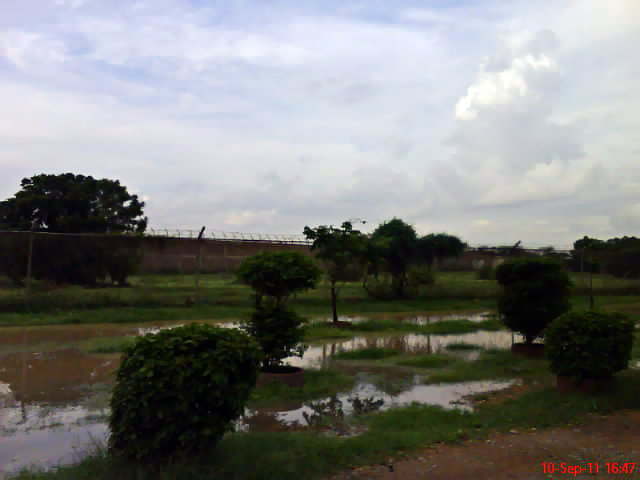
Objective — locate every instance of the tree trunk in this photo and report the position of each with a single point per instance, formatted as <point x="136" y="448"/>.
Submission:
<point x="334" y="302"/>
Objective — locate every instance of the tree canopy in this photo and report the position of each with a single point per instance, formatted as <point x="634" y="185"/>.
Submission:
<point x="341" y="250"/>
<point x="437" y="246"/>
<point x="399" y="239"/>
<point x="69" y="203"/>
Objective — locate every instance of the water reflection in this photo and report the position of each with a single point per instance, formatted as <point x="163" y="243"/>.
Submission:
<point x="364" y="398"/>
<point x="321" y="355"/>
<point x="47" y="448"/>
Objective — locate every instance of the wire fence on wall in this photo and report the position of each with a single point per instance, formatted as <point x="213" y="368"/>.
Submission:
<point x="231" y="236"/>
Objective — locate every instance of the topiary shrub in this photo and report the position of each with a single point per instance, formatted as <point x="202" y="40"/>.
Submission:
<point x="589" y="344"/>
<point x="180" y="390"/>
<point x="277" y="275"/>
<point x="279" y="331"/>
<point x="534" y="292"/>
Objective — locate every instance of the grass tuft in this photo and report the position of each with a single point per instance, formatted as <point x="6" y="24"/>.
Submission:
<point x="367" y="354"/>
<point x="461" y="346"/>
<point x="108" y="344"/>
<point x="317" y="384"/>
<point x="426" y="361"/>
<point x="491" y="364"/>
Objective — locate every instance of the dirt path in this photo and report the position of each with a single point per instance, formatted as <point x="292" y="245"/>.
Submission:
<point x="519" y="455"/>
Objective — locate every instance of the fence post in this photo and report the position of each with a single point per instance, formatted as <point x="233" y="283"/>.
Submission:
<point x="30" y="261"/>
<point x="199" y="267"/>
<point x="591" y="299"/>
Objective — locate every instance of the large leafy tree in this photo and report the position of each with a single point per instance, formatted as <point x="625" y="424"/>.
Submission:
<point x="438" y="246"/>
<point x="69" y="203"/>
<point x="399" y="252"/>
<point x="341" y="252"/>
<point x="617" y="256"/>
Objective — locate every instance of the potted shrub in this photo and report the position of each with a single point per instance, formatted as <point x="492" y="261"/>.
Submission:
<point x="277" y="329"/>
<point x="280" y="332"/>
<point x="587" y="348"/>
<point x="534" y="292"/>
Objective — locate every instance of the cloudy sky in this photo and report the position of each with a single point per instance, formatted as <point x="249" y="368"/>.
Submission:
<point x="495" y="120"/>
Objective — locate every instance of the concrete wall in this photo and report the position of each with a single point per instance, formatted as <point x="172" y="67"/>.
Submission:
<point x="160" y="254"/>
<point x="180" y="255"/>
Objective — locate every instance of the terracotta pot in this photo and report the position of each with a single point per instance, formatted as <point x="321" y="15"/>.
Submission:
<point x="589" y="386"/>
<point x="534" y="350"/>
<point x="292" y="376"/>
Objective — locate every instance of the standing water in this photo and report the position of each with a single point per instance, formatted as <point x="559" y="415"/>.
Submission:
<point x="54" y="396"/>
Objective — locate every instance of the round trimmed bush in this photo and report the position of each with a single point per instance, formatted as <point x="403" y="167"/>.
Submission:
<point x="589" y="344"/>
<point x="535" y="291"/>
<point x="277" y="275"/>
<point x="180" y="390"/>
<point x="279" y="331"/>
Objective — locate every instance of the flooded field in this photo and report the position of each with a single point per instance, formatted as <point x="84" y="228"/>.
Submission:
<point x="54" y="396"/>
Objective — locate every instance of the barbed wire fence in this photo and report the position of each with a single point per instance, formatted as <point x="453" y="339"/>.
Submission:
<point x="230" y="236"/>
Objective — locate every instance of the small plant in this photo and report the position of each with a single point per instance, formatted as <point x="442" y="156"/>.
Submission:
<point x="277" y="275"/>
<point x="178" y="391"/>
<point x="589" y="344"/>
<point x="534" y="292"/>
<point x="279" y="331"/>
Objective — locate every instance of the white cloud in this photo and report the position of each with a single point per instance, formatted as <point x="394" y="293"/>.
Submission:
<point x="27" y="50"/>
<point x="264" y="118"/>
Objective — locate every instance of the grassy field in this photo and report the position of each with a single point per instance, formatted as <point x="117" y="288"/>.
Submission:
<point x="296" y="455"/>
<point x="394" y="433"/>
<point x="157" y="298"/>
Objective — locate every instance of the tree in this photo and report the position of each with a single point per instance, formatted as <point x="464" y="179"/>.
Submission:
<point x="534" y="292"/>
<point x="69" y="203"/>
<point x="277" y="275"/>
<point x="438" y="246"/>
<point x="341" y="251"/>
<point x="400" y="240"/>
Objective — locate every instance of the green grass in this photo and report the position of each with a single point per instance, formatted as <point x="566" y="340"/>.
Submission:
<point x="157" y="298"/>
<point x="367" y="354"/>
<point x="426" y="361"/>
<point x="317" y="384"/>
<point x="108" y="344"/>
<point x="289" y="456"/>
<point x="463" y="346"/>
<point x="491" y="364"/>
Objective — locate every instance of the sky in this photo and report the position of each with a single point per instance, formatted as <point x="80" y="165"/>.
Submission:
<point x="495" y="120"/>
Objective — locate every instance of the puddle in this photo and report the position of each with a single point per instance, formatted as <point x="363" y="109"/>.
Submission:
<point x="59" y="335"/>
<point x="54" y="399"/>
<point x="321" y="355"/>
<point x="364" y="398"/>
<point x="48" y="448"/>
